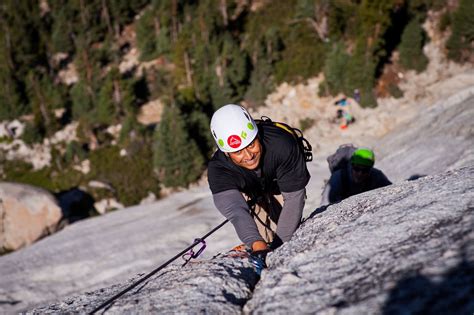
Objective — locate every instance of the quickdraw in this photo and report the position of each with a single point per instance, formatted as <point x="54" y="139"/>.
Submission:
<point x="191" y="254"/>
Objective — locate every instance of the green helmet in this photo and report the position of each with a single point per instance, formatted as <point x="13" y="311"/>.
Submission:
<point x="363" y="157"/>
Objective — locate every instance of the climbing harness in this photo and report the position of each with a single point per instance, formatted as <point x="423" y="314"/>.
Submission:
<point x="187" y="251"/>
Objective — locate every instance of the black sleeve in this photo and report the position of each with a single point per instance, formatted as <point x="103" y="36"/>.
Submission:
<point x="220" y="178"/>
<point x="292" y="173"/>
<point x="233" y="206"/>
<point x="380" y="179"/>
<point x="333" y="191"/>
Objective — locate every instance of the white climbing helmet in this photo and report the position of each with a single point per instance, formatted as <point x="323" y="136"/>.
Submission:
<point x="233" y="128"/>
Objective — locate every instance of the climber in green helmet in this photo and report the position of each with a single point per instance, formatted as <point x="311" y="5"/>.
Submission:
<point x="356" y="177"/>
<point x="363" y="157"/>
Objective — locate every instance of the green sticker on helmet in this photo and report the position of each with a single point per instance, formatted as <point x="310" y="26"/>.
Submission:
<point x="243" y="135"/>
<point x="250" y="126"/>
<point x="221" y="142"/>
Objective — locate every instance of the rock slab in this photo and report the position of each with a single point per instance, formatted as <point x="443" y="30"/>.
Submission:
<point x="402" y="249"/>
<point x="219" y="286"/>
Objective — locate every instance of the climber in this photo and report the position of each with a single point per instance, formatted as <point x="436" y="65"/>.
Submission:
<point x="257" y="178"/>
<point x="345" y="118"/>
<point x="343" y="113"/>
<point x="353" y="178"/>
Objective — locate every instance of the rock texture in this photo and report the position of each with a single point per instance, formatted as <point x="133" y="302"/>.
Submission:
<point x="26" y="214"/>
<point x="96" y="253"/>
<point x="406" y="248"/>
<point x="109" y="249"/>
<point x="441" y="138"/>
<point x="220" y="286"/>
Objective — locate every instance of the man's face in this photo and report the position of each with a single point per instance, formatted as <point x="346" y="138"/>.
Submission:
<point x="360" y="174"/>
<point x="248" y="157"/>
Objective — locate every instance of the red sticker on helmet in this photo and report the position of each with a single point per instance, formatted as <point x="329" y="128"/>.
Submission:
<point x="234" y="141"/>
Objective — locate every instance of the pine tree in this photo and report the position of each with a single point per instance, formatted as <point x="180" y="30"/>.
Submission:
<point x="341" y="19"/>
<point x="261" y="82"/>
<point x="231" y="73"/>
<point x="176" y="156"/>
<point x="83" y="93"/>
<point x="146" y="35"/>
<point x="203" y="56"/>
<point x="44" y="97"/>
<point x="460" y="43"/>
<point x="335" y="69"/>
<point x="265" y="53"/>
<point x="12" y="103"/>
<point x="196" y="117"/>
<point x="62" y="29"/>
<point x="21" y="50"/>
<point x="105" y="110"/>
<point x="236" y="67"/>
<point x="360" y="74"/>
<point x="411" y="47"/>
<point x="82" y="102"/>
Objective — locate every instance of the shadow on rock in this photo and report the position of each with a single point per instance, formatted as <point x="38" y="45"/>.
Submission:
<point x="76" y="205"/>
<point x="415" y="177"/>
<point x="315" y="212"/>
<point x="418" y="294"/>
<point x="9" y="302"/>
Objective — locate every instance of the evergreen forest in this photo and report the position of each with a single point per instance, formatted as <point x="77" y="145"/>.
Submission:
<point x="206" y="53"/>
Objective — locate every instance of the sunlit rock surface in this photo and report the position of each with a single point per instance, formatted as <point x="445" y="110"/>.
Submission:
<point x="219" y="286"/>
<point x="405" y="248"/>
<point x="440" y="138"/>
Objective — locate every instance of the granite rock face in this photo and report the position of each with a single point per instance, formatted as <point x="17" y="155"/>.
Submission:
<point x="102" y="251"/>
<point x="219" y="286"/>
<point x="440" y="138"/>
<point x="27" y="213"/>
<point x="406" y="248"/>
<point x="111" y="249"/>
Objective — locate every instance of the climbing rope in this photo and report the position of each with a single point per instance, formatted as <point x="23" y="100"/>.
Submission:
<point x="186" y="252"/>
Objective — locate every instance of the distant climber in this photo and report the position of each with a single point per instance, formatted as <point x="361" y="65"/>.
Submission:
<point x="257" y="178"/>
<point x="343" y="113"/>
<point x="352" y="173"/>
<point x="344" y="118"/>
